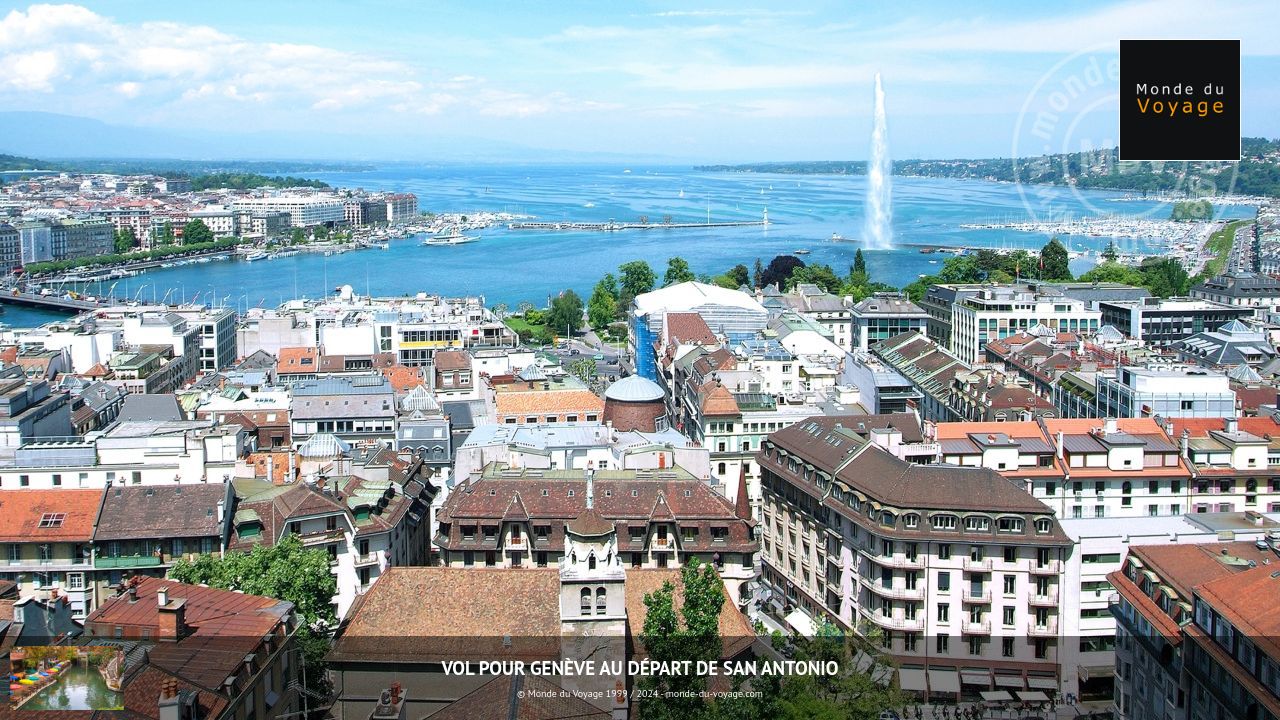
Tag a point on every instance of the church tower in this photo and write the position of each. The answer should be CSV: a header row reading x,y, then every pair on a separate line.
x,y
593,605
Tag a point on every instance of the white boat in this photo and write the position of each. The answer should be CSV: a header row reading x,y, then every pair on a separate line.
x,y
802,252
589,205
255,255
452,238
836,237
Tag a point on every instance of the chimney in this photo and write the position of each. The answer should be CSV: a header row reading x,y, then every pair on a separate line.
x,y
1110,426
173,620
591,485
1058,450
162,595
133,594
169,705
222,510
391,704
1185,443
1232,424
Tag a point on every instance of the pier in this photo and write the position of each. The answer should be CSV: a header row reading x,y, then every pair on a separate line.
x,y
612,226
52,302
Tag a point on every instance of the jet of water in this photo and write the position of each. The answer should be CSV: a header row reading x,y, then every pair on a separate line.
x,y
878,231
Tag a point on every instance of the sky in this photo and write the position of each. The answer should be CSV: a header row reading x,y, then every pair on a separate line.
x,y
699,81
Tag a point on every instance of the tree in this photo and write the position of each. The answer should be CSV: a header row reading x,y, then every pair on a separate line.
x,y
501,310
523,308
637,278
1110,254
196,232
739,275
666,639
125,241
602,308
584,368
565,313
677,272
757,274
779,271
1054,261
321,232
860,690
859,262
1165,277
297,236
285,571
166,235
821,275
1113,272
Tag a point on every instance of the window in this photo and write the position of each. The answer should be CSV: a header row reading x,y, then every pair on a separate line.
x,y
944,613
490,558
1006,646
601,603
51,520
1011,525
1010,584
1010,554
57,480
944,581
1008,617
24,481
585,602
944,551
941,644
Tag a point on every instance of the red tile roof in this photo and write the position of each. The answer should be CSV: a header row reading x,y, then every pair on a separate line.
x,y
1200,427
684,328
402,378
452,360
60,515
297,360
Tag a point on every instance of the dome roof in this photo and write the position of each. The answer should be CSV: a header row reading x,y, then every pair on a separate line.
x,y
634,388
323,445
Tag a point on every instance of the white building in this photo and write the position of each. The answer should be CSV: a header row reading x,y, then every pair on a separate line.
x,y
304,210
1164,390
997,312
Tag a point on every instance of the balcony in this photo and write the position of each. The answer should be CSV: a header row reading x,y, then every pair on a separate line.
x,y
896,593
972,565
517,543
324,537
977,596
128,561
50,564
368,559
1043,600
893,561
897,623
1052,567
663,544
982,627
1048,628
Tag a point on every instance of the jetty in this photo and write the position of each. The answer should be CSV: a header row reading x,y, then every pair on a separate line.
x,y
53,302
614,226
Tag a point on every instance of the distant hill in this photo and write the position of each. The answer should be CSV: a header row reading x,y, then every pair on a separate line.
x,y
1259,170
15,162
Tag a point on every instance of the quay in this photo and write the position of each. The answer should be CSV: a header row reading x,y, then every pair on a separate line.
x,y
612,226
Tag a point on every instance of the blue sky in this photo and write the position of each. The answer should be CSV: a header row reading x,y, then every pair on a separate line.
x,y
689,80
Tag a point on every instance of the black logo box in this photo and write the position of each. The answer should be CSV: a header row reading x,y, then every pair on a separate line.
x,y
1185,67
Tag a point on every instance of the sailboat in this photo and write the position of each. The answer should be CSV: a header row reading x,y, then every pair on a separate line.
x,y
681,192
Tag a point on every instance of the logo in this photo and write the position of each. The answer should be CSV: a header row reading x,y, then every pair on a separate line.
x,y
1180,100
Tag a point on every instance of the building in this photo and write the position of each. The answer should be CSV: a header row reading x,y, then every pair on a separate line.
x,y
635,403
724,311
929,367
209,654
1235,463
30,410
48,543
143,530
997,312
1164,321
591,606
1260,293
958,568
65,239
1164,390
1229,346
222,222
264,223
352,408
366,523
10,248
880,388
304,210
828,310
882,316
451,374
517,517
401,207
1195,629
133,216
531,397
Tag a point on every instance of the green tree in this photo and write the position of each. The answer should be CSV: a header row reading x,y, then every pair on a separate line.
x,y
739,275
584,368
667,639
501,310
166,235
757,274
287,571
196,232
861,690
1054,261
1165,277
565,313
821,275
859,262
1111,254
677,272
321,232
125,241
297,236
602,308
637,278
779,271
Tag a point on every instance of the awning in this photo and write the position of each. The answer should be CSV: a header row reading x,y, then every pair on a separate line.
x,y
1033,696
1044,683
996,696
944,681
911,679
1014,681
976,677
801,623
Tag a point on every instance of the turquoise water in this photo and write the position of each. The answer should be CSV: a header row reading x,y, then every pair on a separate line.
x,y
79,688
511,265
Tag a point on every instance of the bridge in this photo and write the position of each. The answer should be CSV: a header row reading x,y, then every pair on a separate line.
x,y
52,302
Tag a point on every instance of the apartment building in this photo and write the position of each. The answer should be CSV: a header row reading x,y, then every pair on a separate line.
x,y
958,568
401,207
352,408
1163,321
48,543
930,368
815,304
882,316
1164,390
517,517
1255,291
10,248
996,312
1235,463
304,210
1195,629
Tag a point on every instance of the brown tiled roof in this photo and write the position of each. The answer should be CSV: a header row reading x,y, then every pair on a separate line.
x,y
402,378
589,524
688,328
1183,566
429,614
142,691
160,512
297,360
98,371
452,360
1200,427
549,402
717,400
23,512
736,633
208,610
1248,600
520,697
